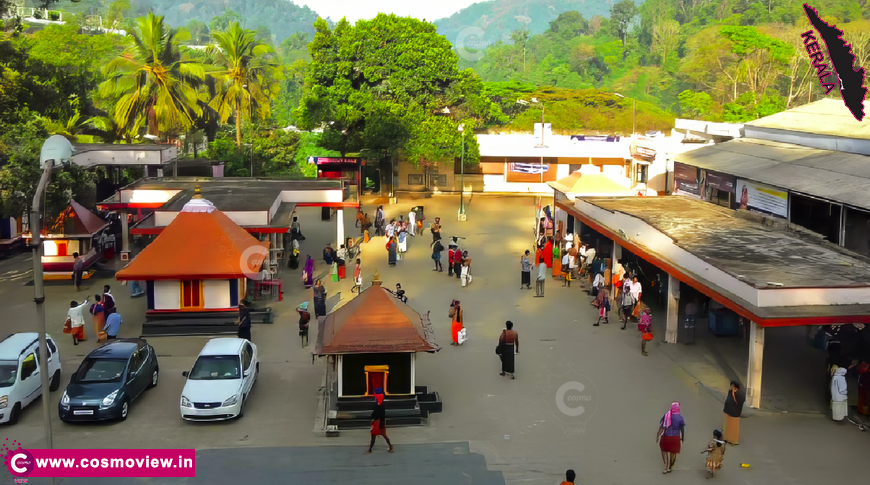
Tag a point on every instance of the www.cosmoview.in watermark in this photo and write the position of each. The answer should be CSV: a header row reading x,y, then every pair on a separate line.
x,y
470,43
571,396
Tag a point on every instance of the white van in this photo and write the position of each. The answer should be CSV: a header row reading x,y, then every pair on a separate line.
x,y
19,373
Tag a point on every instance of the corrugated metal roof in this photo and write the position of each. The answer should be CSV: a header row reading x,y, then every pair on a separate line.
x,y
823,117
837,176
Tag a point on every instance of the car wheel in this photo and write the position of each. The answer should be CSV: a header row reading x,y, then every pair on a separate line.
x,y
125,408
154,376
55,381
15,414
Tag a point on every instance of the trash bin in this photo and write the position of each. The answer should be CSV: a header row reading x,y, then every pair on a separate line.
x,y
688,330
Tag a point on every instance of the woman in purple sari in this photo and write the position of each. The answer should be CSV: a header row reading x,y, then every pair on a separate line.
x,y
308,273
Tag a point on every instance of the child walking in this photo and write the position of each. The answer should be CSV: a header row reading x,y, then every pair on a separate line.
x,y
645,326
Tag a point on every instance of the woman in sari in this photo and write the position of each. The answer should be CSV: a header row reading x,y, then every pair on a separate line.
x,y
672,432
509,342
308,272
319,299
548,252
77,321
391,248
456,325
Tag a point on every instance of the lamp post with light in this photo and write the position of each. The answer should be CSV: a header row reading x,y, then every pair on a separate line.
x,y
462,216
56,152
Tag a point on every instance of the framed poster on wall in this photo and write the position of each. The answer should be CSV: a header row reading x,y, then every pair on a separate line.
x,y
762,198
688,180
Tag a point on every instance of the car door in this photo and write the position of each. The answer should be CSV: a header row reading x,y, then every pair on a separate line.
x,y
134,373
52,358
28,377
247,369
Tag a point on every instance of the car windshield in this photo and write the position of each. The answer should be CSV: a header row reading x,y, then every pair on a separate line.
x,y
100,370
212,367
8,370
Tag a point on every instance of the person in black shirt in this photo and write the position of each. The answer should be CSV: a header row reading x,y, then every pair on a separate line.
x,y
244,321
379,421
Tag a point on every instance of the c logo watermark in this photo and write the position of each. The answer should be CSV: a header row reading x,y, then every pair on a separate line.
x,y
461,43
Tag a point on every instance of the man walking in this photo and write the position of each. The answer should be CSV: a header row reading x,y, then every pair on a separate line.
x,y
244,321
78,269
570,476
113,325
436,229
539,281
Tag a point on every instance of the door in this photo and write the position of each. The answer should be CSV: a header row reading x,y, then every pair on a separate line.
x,y
248,370
136,379
191,295
28,378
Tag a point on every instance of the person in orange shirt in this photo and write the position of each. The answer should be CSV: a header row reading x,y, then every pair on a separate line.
x,y
569,477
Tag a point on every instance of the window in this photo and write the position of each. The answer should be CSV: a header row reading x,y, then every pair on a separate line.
x,y
641,174
439,180
247,356
8,372
28,366
52,349
100,370
215,367
191,294
415,179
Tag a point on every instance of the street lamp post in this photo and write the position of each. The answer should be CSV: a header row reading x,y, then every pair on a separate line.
x,y
55,149
461,129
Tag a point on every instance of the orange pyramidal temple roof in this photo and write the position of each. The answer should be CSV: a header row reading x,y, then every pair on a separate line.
x,y
199,245
375,322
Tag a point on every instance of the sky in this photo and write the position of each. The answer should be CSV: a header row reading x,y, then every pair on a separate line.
x,y
356,9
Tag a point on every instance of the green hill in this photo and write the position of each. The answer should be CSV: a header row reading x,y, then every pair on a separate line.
x,y
283,18
498,18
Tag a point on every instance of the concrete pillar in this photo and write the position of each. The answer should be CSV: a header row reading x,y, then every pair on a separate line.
x,y
125,238
756,357
273,243
617,255
339,235
673,317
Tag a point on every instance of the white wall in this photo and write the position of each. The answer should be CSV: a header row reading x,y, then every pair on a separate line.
x,y
496,183
142,196
167,295
216,294
312,196
662,245
247,218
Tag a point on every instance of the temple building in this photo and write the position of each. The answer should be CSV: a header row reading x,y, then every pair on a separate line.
x,y
196,270
76,230
372,342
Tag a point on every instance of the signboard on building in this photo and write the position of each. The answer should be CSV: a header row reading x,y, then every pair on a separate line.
x,y
725,183
336,161
762,198
610,138
687,180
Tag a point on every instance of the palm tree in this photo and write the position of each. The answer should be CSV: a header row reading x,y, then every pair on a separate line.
x,y
247,79
152,84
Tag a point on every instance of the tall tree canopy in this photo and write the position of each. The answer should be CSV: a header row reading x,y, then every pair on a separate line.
x,y
389,86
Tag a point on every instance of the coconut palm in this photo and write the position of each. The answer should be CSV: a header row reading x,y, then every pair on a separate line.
x,y
247,76
152,83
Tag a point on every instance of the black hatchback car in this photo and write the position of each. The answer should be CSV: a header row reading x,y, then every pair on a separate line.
x,y
108,380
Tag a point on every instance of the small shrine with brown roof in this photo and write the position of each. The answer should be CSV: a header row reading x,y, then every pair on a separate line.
x,y
198,267
371,342
75,230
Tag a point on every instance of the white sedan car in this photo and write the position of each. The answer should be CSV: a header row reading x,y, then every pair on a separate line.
x,y
221,379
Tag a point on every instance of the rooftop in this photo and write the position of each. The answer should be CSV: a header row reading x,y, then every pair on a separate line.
x,y
198,245
826,116
375,322
558,146
774,277
222,346
11,346
833,175
743,248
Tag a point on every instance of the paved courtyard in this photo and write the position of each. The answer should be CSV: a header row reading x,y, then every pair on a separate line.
x,y
493,429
